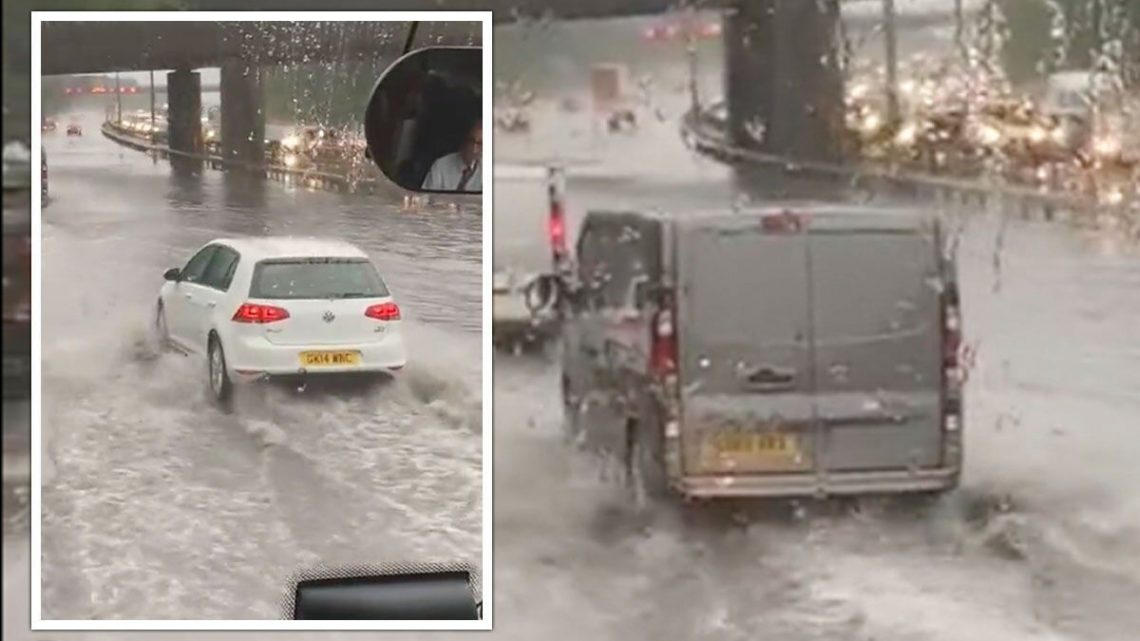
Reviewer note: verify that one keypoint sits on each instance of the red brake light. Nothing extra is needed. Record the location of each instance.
(782, 223)
(557, 231)
(383, 311)
(663, 351)
(254, 313)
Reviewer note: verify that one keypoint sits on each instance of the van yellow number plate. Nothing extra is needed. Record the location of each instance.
(329, 359)
(752, 444)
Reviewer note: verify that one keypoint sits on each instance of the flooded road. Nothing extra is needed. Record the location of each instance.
(1040, 543)
(150, 491)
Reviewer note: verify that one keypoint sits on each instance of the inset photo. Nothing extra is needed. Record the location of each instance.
(257, 336)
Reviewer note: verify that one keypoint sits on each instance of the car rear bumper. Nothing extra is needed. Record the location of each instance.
(803, 485)
(253, 358)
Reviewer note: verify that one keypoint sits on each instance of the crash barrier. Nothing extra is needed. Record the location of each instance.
(698, 131)
(292, 175)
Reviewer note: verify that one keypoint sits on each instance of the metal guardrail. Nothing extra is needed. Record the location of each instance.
(310, 177)
(712, 141)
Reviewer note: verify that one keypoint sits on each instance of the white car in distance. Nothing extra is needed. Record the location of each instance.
(279, 306)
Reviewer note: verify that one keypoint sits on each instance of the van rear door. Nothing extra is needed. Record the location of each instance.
(877, 341)
(744, 348)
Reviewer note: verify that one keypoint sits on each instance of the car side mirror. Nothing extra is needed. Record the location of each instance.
(542, 293)
(172, 274)
(433, 592)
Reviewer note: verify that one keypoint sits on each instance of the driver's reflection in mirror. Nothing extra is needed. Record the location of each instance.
(460, 170)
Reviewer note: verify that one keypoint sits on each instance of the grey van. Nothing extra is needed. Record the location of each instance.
(780, 352)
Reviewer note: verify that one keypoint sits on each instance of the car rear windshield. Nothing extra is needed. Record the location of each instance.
(309, 278)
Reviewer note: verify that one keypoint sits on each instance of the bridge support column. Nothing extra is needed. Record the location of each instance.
(184, 97)
(243, 113)
(783, 85)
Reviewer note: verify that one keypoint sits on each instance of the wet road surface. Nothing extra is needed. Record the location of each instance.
(155, 505)
(1040, 543)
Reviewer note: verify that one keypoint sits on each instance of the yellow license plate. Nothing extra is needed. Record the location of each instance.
(747, 444)
(329, 359)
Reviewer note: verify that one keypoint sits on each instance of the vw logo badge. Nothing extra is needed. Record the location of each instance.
(328, 316)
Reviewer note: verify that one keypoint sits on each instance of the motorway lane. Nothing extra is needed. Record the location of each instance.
(206, 514)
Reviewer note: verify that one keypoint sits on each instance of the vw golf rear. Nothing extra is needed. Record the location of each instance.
(281, 306)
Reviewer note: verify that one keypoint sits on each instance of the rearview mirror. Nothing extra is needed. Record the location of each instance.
(172, 274)
(401, 592)
(424, 121)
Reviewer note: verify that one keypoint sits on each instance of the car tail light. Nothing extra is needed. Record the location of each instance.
(557, 218)
(785, 222)
(384, 312)
(259, 314)
(557, 231)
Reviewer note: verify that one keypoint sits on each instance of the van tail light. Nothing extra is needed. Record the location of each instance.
(952, 374)
(951, 327)
(259, 314)
(663, 368)
(663, 347)
(383, 312)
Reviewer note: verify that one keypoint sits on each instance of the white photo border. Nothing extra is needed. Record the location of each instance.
(486, 574)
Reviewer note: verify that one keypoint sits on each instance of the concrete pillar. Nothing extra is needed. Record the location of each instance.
(782, 74)
(184, 96)
(243, 112)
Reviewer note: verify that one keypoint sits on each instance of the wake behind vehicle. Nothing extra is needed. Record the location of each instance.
(809, 352)
(276, 306)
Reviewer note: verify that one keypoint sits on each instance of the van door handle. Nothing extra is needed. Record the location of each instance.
(211, 304)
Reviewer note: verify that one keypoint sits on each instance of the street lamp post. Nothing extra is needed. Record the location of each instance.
(889, 32)
(152, 119)
(118, 101)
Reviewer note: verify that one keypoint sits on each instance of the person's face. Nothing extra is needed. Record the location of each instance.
(473, 146)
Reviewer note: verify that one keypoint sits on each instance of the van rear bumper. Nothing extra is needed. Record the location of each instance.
(802, 485)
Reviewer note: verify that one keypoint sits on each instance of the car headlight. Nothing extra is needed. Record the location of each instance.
(989, 135)
(290, 160)
(1037, 135)
(907, 135)
(871, 123)
(1107, 146)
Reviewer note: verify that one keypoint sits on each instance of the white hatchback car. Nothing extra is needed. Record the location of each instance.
(263, 307)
